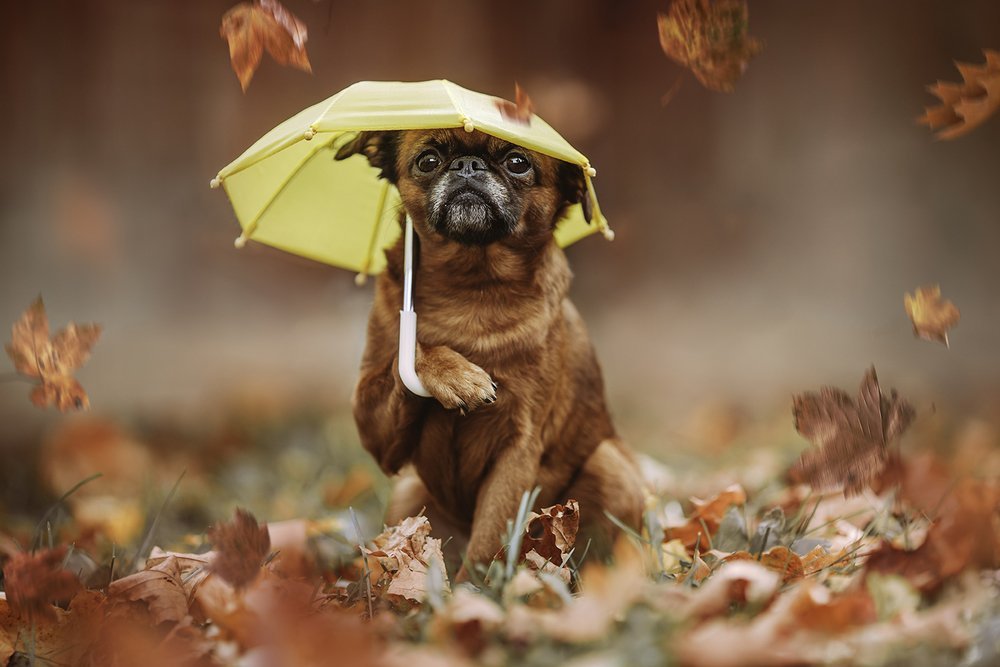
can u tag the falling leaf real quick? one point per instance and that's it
(52, 361)
(964, 106)
(851, 438)
(34, 581)
(710, 37)
(241, 546)
(518, 111)
(931, 315)
(251, 27)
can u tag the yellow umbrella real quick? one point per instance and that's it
(288, 191)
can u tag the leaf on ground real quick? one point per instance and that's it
(931, 315)
(851, 437)
(252, 27)
(240, 548)
(966, 105)
(519, 111)
(406, 553)
(710, 37)
(551, 533)
(781, 560)
(160, 588)
(52, 361)
(739, 581)
(706, 517)
(34, 581)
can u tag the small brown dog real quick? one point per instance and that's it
(518, 398)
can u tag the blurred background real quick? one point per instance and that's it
(765, 238)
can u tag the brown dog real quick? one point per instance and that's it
(518, 398)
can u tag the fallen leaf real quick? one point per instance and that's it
(739, 581)
(780, 560)
(34, 581)
(710, 37)
(160, 588)
(52, 361)
(551, 533)
(964, 106)
(931, 315)
(851, 437)
(518, 111)
(706, 517)
(240, 547)
(406, 553)
(252, 27)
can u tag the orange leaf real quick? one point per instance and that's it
(160, 588)
(53, 361)
(240, 548)
(710, 38)
(931, 315)
(518, 111)
(33, 581)
(964, 106)
(252, 27)
(552, 533)
(851, 438)
(706, 517)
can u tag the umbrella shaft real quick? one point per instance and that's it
(408, 264)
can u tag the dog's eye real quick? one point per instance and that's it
(428, 161)
(517, 163)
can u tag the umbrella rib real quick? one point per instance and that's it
(376, 234)
(251, 226)
(466, 121)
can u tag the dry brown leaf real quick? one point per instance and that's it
(780, 560)
(518, 111)
(160, 588)
(53, 361)
(406, 553)
(240, 547)
(851, 437)
(710, 37)
(736, 581)
(706, 516)
(34, 581)
(252, 27)
(964, 106)
(931, 315)
(552, 532)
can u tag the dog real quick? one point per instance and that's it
(517, 392)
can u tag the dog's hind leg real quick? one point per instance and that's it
(409, 498)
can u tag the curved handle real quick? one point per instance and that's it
(408, 353)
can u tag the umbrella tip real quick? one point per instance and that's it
(608, 233)
(468, 125)
(309, 134)
(215, 182)
(591, 172)
(361, 279)
(240, 241)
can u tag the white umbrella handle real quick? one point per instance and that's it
(408, 320)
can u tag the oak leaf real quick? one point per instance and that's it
(33, 581)
(51, 360)
(931, 315)
(252, 27)
(240, 548)
(964, 106)
(518, 111)
(851, 437)
(710, 38)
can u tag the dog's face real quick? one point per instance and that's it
(471, 187)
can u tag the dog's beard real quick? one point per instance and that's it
(471, 214)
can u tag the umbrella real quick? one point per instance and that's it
(288, 192)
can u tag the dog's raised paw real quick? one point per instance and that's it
(453, 380)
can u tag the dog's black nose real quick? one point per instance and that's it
(467, 165)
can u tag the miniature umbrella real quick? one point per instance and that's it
(288, 191)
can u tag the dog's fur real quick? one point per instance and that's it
(518, 398)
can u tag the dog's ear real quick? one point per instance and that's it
(573, 187)
(380, 147)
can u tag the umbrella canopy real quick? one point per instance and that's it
(288, 191)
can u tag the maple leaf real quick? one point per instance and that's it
(51, 361)
(241, 547)
(518, 111)
(251, 27)
(851, 438)
(964, 106)
(33, 581)
(931, 315)
(710, 38)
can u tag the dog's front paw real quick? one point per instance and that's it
(453, 380)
